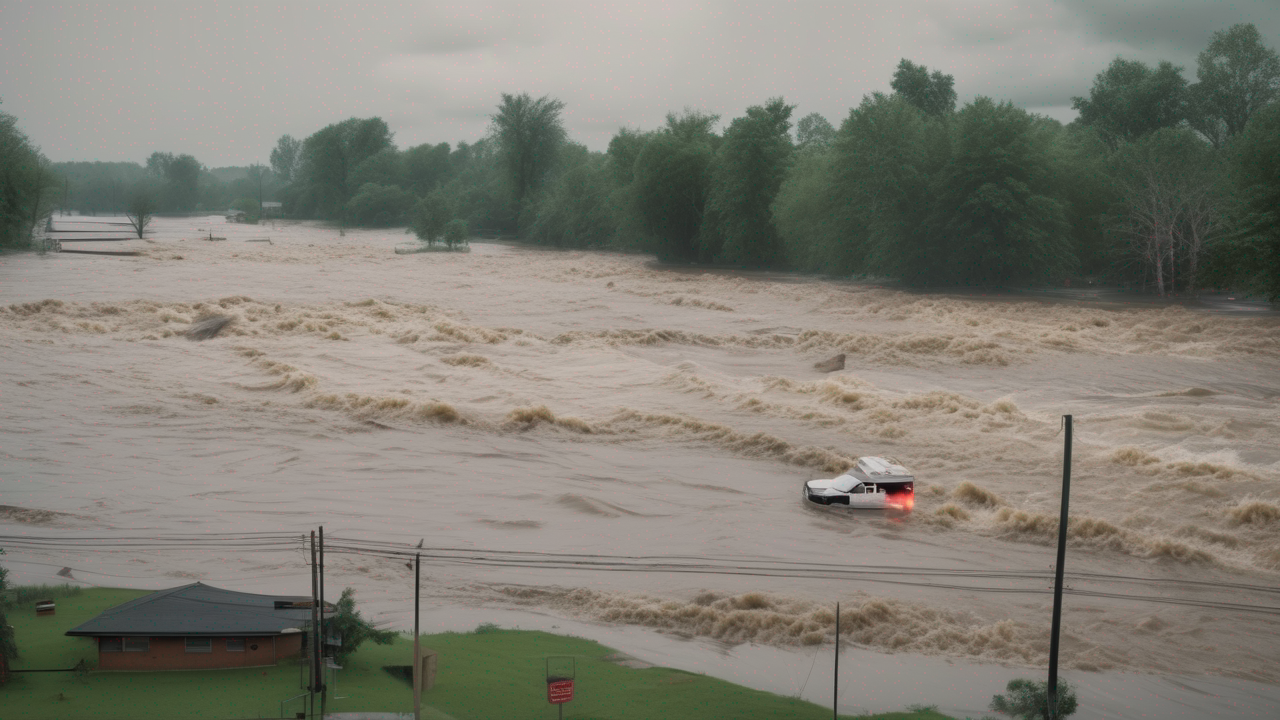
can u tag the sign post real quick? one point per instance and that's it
(562, 670)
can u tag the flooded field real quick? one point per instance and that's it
(563, 402)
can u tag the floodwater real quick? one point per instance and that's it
(586, 403)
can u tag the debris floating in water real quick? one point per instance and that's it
(834, 364)
(208, 327)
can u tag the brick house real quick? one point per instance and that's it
(198, 627)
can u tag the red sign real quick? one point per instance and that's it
(560, 691)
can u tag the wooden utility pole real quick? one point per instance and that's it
(417, 654)
(835, 676)
(313, 684)
(1057, 573)
(324, 686)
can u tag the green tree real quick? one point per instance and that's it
(1029, 700)
(1250, 255)
(8, 644)
(669, 193)
(806, 213)
(814, 132)
(379, 205)
(994, 219)
(528, 133)
(430, 216)
(285, 157)
(455, 233)
(181, 176)
(352, 628)
(934, 94)
(624, 148)
(577, 209)
(426, 167)
(1167, 207)
(329, 156)
(386, 167)
(259, 176)
(141, 206)
(1238, 76)
(1129, 100)
(885, 156)
(749, 169)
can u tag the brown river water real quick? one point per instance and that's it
(515, 399)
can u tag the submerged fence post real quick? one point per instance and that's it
(1057, 573)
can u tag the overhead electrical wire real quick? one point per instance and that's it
(957, 579)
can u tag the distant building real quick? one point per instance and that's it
(272, 209)
(235, 216)
(199, 626)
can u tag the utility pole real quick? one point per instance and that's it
(835, 676)
(417, 655)
(1057, 572)
(324, 686)
(313, 684)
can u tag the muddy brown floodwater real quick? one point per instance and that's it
(565, 402)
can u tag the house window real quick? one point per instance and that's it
(107, 644)
(199, 645)
(137, 644)
(235, 644)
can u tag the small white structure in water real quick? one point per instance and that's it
(874, 483)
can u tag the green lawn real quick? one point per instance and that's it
(490, 675)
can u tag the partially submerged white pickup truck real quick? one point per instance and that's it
(875, 483)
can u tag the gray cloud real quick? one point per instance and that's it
(118, 80)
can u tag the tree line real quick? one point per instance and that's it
(1161, 182)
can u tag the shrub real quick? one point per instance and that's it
(1029, 700)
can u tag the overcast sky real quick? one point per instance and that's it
(222, 81)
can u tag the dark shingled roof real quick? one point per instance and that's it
(198, 609)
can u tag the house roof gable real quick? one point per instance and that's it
(197, 609)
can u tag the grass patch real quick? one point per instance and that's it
(23, 594)
(490, 673)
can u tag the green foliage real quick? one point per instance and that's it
(328, 159)
(427, 167)
(487, 628)
(386, 167)
(528, 133)
(8, 643)
(805, 213)
(26, 594)
(933, 94)
(456, 233)
(27, 185)
(815, 133)
(749, 169)
(1251, 255)
(578, 207)
(250, 207)
(1165, 210)
(1029, 700)
(352, 628)
(995, 219)
(181, 177)
(142, 204)
(624, 148)
(94, 187)
(672, 182)
(1238, 76)
(379, 205)
(1129, 100)
(430, 216)
(885, 154)
(479, 189)
(285, 157)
